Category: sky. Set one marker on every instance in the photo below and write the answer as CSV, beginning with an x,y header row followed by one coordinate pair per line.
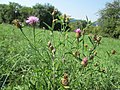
x,y
77,9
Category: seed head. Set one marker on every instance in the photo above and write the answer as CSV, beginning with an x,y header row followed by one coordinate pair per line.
x,y
113,51
76,54
91,57
95,53
51,47
17,23
53,51
64,80
86,45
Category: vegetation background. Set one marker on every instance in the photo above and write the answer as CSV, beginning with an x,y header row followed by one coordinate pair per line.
x,y
50,56
107,25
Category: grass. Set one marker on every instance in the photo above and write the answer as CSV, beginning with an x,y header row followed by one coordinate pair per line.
x,y
32,68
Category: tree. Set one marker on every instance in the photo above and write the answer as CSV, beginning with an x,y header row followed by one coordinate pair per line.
x,y
13,11
3,10
25,12
110,18
44,16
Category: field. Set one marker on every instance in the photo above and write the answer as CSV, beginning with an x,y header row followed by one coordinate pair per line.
x,y
32,66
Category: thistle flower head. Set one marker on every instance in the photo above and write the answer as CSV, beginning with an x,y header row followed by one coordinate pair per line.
x,y
86,45
64,80
113,51
91,57
76,54
17,23
84,61
78,30
32,20
78,33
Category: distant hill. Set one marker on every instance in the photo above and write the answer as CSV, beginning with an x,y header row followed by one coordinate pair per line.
x,y
74,20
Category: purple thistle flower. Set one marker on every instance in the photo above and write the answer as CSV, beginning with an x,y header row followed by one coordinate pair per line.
x,y
32,20
85,60
78,30
78,33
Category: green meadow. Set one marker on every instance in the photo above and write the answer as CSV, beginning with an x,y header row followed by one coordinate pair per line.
x,y
30,65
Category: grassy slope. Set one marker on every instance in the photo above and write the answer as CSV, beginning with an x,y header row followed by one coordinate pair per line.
x,y
19,61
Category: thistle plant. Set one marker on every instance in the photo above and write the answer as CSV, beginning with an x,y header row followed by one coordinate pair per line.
x,y
84,54
32,20
52,49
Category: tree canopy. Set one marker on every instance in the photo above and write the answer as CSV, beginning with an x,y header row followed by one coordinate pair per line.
x,y
110,19
15,11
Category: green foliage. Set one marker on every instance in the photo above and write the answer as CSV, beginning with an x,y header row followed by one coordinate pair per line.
x,y
43,14
24,13
110,19
78,24
24,68
15,11
9,12
94,30
3,11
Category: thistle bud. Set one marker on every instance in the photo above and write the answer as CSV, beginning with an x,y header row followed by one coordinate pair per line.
x,y
96,64
95,53
67,19
53,51
54,20
91,57
86,45
84,61
49,44
103,70
43,28
113,51
95,37
64,80
76,54
99,39
78,33
91,49
17,23
51,47
54,12
64,16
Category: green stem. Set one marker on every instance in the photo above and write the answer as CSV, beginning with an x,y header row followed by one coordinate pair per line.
x,y
53,68
83,46
34,33
25,35
34,47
